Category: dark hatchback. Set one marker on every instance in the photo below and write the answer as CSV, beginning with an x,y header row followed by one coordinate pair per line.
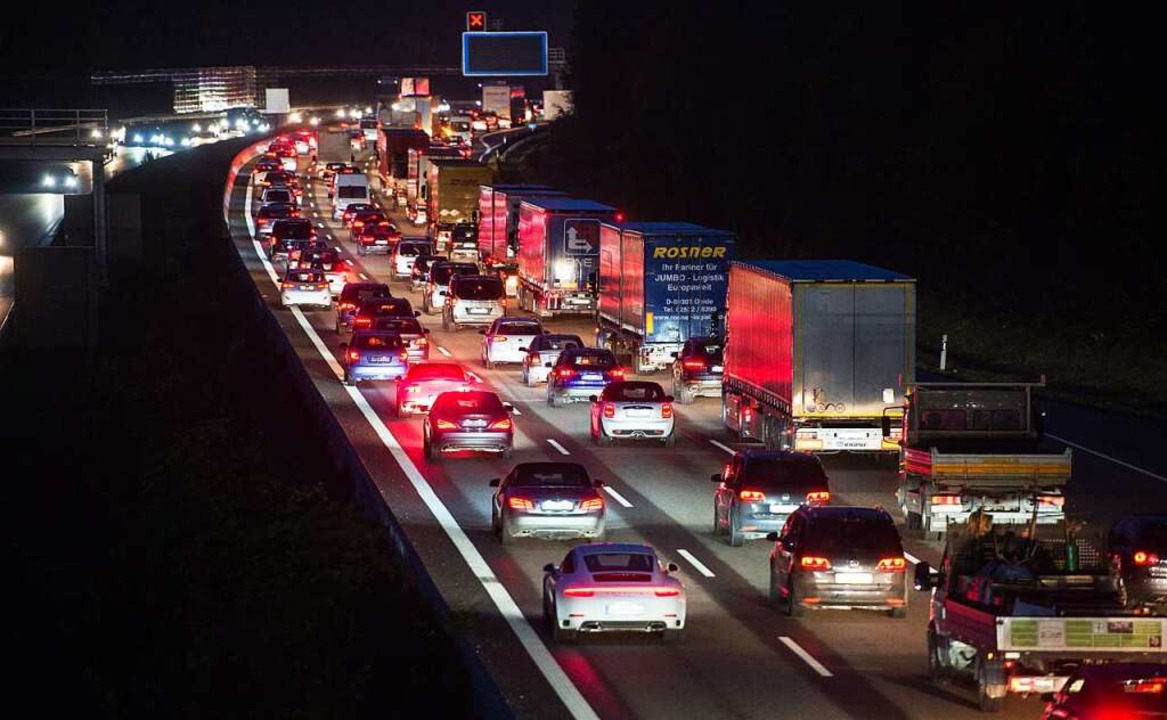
x,y
579,373
1138,547
351,297
759,489
698,369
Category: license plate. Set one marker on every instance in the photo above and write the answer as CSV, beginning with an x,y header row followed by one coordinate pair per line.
x,y
853,578
474,424
557,504
380,242
779,509
637,413
380,358
625,608
592,377
479,311
716,368
307,287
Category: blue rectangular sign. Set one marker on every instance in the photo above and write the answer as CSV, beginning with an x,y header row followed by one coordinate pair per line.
x,y
504,53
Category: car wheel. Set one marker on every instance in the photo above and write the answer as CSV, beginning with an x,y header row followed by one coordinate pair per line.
x,y
488,363
554,401
428,448
937,669
670,440
360,250
671,636
986,702
504,536
794,606
528,379
736,537
347,379
899,613
775,596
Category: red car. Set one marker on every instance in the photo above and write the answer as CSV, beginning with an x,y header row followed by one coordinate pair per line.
x,y
377,238
424,382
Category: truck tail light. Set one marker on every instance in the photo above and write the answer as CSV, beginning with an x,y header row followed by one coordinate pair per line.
x,y
892,564
666,410
519,503
1144,558
609,410
811,562
752,496
820,497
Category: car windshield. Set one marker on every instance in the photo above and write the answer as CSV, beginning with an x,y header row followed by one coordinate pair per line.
x,y
596,360
556,342
306,276
468,402
441,273
404,326
778,473
478,288
632,391
830,535
551,475
619,562
278,196
515,328
437,371
384,341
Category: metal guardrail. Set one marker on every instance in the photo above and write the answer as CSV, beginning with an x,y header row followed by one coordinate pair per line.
x,y
76,127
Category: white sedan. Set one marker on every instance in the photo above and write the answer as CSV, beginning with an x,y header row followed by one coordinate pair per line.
x,y
633,409
305,286
507,339
542,354
612,587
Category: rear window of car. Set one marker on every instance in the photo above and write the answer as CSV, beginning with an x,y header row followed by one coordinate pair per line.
x,y
293,230
552,475
412,249
275,211
360,294
619,562
478,288
468,403
386,306
518,329
840,534
277,196
631,391
442,273
781,473
347,192
436,371
600,360
556,342
404,326
306,276
378,342
370,216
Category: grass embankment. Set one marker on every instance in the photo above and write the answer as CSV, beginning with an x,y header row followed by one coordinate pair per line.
x,y
183,546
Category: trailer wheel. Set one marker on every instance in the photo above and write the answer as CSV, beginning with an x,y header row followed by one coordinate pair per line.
x,y
987,672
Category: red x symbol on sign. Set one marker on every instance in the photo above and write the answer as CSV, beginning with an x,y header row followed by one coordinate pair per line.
x,y
475,20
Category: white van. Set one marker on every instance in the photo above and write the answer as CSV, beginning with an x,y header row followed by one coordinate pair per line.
x,y
350,189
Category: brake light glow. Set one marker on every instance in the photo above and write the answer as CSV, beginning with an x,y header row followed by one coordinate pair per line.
x,y
404,355
810,562
504,424
946,500
363,322
892,564
693,364
592,504
346,306
1143,558
498,338
752,496
579,592
820,497
1055,500
354,356
446,425
667,592
1148,685
420,342
518,503
287,285
666,410
322,286
565,373
618,373
609,410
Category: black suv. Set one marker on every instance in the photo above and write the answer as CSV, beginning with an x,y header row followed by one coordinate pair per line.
x,y
1138,548
839,556
758,489
351,298
697,369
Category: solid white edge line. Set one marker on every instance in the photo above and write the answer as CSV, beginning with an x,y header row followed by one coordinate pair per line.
x,y
695,563
806,657
619,498
723,446
916,561
443,351
1104,456
576,704
557,446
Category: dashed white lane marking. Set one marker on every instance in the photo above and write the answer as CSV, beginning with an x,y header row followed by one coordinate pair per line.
x,y
557,446
366,277
576,704
806,657
1114,460
695,563
444,351
516,411
911,558
619,498
723,446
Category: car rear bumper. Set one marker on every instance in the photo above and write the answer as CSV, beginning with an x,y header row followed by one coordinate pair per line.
x,y
643,430
319,298
836,595
556,526
376,372
490,441
577,393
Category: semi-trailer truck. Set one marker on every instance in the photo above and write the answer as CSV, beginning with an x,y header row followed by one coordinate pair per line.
x,y
660,283
498,219
393,146
559,250
817,353
453,199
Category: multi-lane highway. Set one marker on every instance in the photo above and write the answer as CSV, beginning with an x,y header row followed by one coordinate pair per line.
x,y
740,658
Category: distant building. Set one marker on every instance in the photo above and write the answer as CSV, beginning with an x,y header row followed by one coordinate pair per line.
x,y
196,90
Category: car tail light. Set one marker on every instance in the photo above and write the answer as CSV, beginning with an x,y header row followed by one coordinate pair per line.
x,y
498,338
592,504
811,562
752,496
1147,685
609,410
1143,558
666,410
340,267
892,564
287,285
358,224
693,364
666,592
404,355
618,373
322,286
518,503
946,500
820,497
504,424
420,342
565,373
346,306
579,592
354,356
447,425
363,322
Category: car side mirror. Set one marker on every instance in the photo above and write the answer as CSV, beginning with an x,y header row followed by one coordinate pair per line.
x,y
673,567
495,482
715,477
922,579
593,398
772,536
508,407
551,569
